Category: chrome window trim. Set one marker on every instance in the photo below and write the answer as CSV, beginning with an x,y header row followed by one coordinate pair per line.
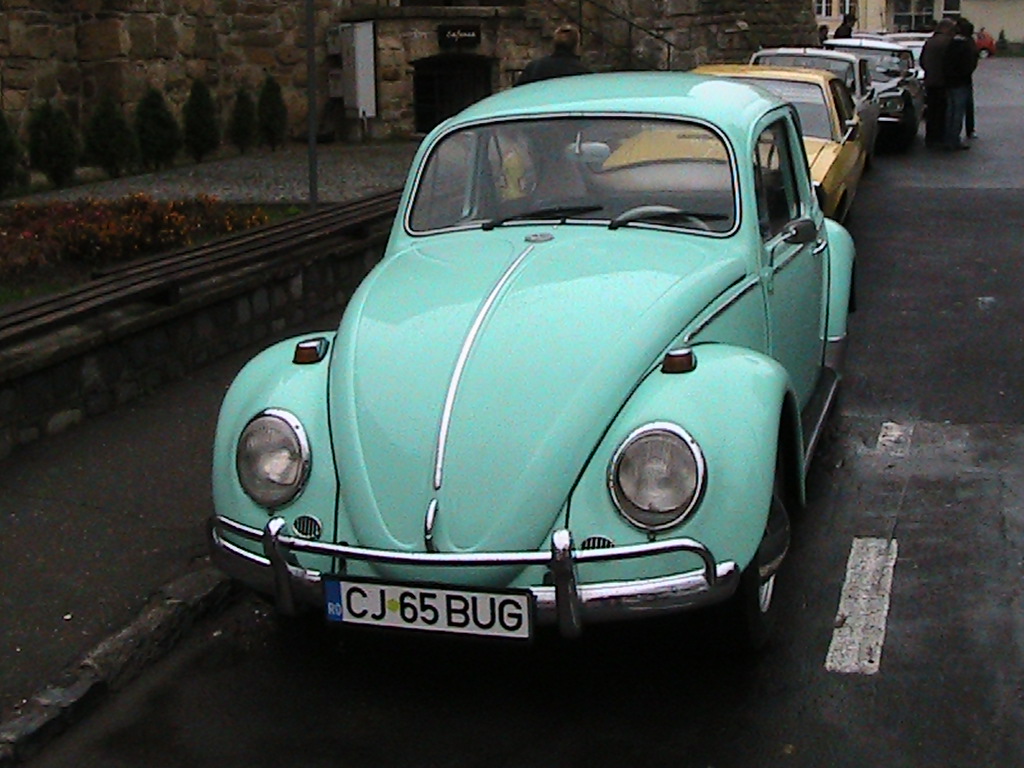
x,y
602,115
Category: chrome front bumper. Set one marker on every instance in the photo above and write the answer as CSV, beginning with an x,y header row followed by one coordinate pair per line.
x,y
566,603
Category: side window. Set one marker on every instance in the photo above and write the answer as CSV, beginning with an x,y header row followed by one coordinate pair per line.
x,y
778,198
844,103
865,75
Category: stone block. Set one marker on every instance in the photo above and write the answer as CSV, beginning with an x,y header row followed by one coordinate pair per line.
x,y
33,41
63,420
102,39
166,38
141,36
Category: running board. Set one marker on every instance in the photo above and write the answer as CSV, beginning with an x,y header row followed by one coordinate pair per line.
x,y
816,412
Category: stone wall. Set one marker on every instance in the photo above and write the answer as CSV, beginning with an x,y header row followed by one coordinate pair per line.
x,y
51,383
70,51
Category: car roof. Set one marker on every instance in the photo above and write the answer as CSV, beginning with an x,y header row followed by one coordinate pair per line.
x,y
821,53
865,42
731,106
796,74
897,36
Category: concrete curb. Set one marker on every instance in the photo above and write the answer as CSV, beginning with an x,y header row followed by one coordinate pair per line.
x,y
113,663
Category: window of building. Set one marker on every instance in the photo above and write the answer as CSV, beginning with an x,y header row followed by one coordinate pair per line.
x,y
822,7
913,15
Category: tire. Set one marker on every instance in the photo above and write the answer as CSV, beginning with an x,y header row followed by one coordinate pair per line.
x,y
752,608
983,53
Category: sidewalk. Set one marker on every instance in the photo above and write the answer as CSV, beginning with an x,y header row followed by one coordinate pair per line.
x,y
102,543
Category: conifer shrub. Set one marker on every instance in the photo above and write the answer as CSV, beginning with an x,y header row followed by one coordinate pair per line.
x,y
109,140
157,131
202,134
11,172
242,128
271,114
53,143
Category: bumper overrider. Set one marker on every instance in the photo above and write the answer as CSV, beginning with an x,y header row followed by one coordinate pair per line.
x,y
566,603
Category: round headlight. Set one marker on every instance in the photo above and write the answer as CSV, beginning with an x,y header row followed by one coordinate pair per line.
x,y
657,476
272,458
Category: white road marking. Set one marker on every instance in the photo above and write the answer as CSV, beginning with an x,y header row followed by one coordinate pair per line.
x,y
856,647
894,439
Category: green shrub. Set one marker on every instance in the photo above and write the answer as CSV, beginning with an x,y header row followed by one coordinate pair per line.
x,y
242,129
157,131
53,143
202,135
1001,42
109,141
11,172
271,114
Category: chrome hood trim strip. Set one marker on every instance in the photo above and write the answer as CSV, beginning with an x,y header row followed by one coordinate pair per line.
x,y
460,364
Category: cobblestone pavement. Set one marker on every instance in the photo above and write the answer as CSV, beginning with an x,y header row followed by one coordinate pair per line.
x,y
344,172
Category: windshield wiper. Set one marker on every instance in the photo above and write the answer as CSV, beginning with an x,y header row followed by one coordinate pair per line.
x,y
648,212
560,212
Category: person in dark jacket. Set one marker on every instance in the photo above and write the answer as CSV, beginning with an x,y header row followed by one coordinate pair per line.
x,y
966,28
845,29
561,62
960,60
933,62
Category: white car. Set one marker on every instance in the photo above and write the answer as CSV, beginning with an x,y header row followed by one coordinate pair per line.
x,y
900,91
915,42
851,70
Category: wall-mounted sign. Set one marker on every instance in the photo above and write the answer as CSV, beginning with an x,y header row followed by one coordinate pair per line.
x,y
458,35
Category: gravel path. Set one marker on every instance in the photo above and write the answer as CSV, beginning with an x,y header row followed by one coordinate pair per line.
x,y
344,172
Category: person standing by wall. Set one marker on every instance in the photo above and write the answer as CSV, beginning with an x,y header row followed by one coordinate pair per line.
x,y
845,29
960,61
933,62
563,60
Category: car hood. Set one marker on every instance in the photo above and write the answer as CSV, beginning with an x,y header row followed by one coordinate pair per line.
x,y
821,153
480,371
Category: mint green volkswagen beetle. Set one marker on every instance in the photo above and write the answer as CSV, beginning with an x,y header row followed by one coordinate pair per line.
x,y
583,384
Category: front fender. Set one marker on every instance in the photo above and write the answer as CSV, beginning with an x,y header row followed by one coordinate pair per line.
x,y
841,256
732,405
272,380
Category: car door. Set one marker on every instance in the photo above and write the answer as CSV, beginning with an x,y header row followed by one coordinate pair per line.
x,y
853,149
792,258
867,104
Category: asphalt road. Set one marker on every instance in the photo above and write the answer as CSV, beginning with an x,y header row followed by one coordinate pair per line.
x,y
924,459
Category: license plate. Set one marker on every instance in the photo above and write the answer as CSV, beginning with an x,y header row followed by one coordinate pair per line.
x,y
434,609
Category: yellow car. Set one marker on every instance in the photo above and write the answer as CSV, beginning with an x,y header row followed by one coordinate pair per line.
x,y
835,144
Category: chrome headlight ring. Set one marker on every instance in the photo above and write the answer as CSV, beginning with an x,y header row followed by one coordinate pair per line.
x,y
657,476
273,458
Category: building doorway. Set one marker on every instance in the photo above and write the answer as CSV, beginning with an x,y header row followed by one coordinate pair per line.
x,y
447,83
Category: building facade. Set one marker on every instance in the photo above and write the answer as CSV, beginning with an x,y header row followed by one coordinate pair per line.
x,y
390,68
1006,16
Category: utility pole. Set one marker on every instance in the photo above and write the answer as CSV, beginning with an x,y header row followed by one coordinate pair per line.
x,y
311,101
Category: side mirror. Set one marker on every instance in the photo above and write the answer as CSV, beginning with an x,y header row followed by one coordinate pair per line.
x,y
852,129
800,232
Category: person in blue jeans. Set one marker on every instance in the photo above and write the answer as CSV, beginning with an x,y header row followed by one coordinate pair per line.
x,y
958,66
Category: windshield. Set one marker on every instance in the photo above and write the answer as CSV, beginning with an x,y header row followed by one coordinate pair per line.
x,y
841,69
661,172
809,101
883,63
